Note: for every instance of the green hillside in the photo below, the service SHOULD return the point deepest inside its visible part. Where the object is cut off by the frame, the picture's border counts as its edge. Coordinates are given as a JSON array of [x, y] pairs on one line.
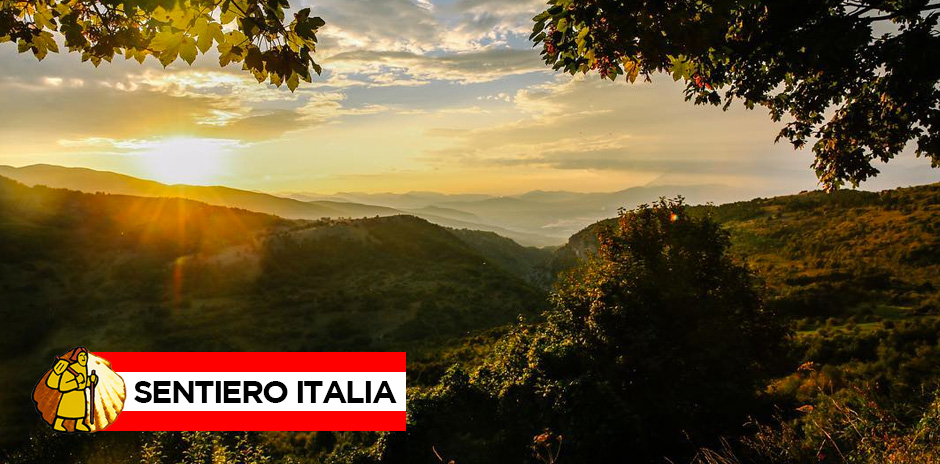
[[121, 273], [856, 275], [872, 255], [530, 263]]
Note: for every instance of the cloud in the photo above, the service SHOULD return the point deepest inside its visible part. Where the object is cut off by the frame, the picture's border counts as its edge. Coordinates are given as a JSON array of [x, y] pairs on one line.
[[141, 145], [387, 25], [62, 82], [376, 68], [366, 44], [479, 22], [584, 124], [326, 107], [383, 43], [221, 84], [627, 158], [257, 126], [85, 107], [422, 26]]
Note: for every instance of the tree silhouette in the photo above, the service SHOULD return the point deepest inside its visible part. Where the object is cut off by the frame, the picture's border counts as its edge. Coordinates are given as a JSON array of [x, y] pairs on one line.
[[260, 38], [659, 342]]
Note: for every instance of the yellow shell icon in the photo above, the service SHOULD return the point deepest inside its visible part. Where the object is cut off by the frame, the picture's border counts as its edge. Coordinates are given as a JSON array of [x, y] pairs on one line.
[[80, 393]]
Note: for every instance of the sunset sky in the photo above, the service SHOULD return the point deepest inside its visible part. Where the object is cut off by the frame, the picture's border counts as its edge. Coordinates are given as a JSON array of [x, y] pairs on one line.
[[443, 96]]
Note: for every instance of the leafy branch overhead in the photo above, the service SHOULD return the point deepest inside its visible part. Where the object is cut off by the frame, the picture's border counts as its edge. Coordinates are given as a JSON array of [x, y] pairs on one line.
[[857, 78], [252, 32]]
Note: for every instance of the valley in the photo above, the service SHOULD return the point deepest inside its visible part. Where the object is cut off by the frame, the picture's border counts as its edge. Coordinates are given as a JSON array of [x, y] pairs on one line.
[[118, 272]]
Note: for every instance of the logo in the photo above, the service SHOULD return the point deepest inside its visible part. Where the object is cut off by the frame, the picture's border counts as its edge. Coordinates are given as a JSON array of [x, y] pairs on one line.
[[80, 393], [177, 391]]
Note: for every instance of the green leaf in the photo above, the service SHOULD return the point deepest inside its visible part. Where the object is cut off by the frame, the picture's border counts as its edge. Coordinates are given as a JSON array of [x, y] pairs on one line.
[[182, 17], [228, 16], [307, 29], [293, 81], [48, 41], [188, 50], [226, 55], [236, 38], [206, 32], [43, 17], [253, 59], [167, 43], [170, 30], [539, 27], [139, 54], [160, 14]]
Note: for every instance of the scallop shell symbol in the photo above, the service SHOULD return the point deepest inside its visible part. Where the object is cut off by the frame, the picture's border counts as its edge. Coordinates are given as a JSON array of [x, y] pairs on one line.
[[108, 394]]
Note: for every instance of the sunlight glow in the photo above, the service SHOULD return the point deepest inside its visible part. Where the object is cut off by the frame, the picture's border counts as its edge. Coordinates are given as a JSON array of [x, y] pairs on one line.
[[185, 160]]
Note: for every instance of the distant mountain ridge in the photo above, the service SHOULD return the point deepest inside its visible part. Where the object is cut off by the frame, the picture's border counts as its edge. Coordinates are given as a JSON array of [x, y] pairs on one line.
[[91, 181], [554, 215], [536, 218]]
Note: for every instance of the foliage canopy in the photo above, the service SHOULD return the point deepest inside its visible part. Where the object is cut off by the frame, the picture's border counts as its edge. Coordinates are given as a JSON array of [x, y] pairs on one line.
[[859, 76], [257, 36]]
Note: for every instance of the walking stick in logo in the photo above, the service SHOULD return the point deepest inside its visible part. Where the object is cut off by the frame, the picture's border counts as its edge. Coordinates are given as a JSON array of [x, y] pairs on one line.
[[92, 408]]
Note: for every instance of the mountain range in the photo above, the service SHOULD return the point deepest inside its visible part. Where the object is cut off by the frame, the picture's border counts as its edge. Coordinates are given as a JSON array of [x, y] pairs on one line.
[[153, 272], [537, 218]]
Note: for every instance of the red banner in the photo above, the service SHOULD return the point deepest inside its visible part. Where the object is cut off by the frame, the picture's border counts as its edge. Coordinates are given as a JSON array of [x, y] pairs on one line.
[[230, 391]]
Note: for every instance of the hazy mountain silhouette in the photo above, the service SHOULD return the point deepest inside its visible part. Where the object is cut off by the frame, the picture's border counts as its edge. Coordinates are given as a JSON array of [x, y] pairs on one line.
[[89, 180], [551, 216], [537, 218], [408, 200]]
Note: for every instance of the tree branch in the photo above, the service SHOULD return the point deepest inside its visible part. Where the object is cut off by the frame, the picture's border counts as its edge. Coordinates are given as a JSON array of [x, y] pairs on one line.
[[897, 14]]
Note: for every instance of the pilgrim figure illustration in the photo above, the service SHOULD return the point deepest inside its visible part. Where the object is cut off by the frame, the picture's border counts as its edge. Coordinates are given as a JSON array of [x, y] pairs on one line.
[[80, 393]]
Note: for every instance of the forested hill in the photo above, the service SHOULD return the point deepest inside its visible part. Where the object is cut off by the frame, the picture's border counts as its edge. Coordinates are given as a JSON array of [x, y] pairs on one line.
[[830, 255], [123, 273]]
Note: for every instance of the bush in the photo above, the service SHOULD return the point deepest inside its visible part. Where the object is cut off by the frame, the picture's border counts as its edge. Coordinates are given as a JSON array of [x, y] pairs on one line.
[[658, 342]]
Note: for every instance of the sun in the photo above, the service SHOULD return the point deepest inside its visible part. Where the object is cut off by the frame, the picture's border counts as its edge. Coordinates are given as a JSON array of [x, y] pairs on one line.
[[184, 160]]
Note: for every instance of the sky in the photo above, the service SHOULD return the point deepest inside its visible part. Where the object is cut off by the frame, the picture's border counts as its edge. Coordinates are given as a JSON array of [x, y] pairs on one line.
[[444, 96]]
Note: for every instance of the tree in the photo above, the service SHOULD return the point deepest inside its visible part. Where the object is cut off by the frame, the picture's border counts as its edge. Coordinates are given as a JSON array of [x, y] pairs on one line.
[[266, 45], [818, 64], [658, 343]]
